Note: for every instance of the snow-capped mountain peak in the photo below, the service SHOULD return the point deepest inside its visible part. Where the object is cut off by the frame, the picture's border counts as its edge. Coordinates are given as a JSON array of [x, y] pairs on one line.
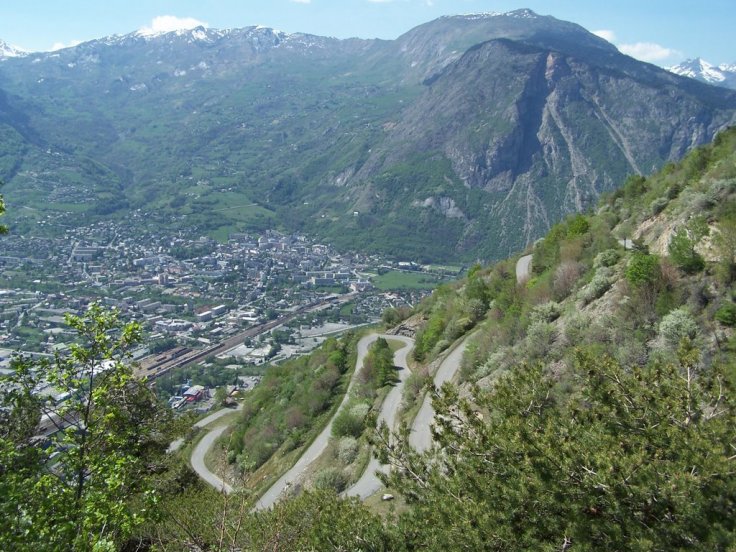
[[202, 34], [699, 69], [8, 51], [198, 33], [523, 13]]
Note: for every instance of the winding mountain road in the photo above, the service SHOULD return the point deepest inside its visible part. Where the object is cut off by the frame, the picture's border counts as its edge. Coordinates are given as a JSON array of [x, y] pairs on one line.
[[523, 268], [420, 437], [217, 415], [198, 460], [369, 483], [318, 446], [176, 445]]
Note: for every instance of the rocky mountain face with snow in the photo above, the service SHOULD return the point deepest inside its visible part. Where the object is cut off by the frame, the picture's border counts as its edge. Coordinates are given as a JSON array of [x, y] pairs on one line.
[[466, 137], [8, 51], [699, 69]]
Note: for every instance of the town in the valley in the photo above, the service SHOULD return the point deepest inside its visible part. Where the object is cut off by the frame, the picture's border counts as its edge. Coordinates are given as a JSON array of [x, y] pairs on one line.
[[214, 314]]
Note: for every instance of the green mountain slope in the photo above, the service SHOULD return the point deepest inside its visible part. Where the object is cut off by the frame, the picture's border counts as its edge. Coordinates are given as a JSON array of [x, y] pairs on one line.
[[467, 137], [602, 398], [586, 289], [531, 135], [596, 403]]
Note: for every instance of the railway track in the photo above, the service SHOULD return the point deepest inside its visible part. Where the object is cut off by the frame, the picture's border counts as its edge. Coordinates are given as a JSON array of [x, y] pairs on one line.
[[183, 358]]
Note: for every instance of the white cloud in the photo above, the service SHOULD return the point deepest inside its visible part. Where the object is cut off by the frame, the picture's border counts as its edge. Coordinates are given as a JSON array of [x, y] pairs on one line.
[[644, 51], [606, 34], [649, 51], [168, 23], [61, 45]]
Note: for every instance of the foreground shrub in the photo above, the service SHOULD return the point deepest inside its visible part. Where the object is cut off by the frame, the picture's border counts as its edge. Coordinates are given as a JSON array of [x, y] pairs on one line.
[[726, 315], [643, 269], [609, 257], [331, 479], [639, 459], [595, 289], [347, 449], [546, 312], [678, 325]]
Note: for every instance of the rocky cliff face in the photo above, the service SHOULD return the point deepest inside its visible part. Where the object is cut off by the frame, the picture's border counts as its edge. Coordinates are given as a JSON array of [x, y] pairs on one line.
[[543, 133]]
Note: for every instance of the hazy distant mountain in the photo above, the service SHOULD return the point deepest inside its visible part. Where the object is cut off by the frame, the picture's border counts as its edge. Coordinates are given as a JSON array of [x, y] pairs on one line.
[[467, 136], [699, 69]]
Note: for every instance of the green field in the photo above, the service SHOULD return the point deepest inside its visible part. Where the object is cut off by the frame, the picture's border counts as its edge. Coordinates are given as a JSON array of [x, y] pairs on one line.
[[395, 279]]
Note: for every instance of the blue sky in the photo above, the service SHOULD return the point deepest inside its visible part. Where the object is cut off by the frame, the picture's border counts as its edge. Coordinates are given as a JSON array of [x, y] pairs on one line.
[[659, 31]]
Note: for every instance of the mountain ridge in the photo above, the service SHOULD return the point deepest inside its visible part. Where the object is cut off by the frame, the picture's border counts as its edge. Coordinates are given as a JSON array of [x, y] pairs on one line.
[[414, 147], [505, 166]]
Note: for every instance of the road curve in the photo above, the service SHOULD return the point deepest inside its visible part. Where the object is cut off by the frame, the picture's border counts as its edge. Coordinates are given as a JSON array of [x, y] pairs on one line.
[[420, 437], [319, 445], [198, 460], [523, 268], [217, 415], [369, 483], [176, 444]]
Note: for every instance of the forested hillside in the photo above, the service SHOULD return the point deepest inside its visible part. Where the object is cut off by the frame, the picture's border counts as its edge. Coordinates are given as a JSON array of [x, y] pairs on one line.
[[598, 404]]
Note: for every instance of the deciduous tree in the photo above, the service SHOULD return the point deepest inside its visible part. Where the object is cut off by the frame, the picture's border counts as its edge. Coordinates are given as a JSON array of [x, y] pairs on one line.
[[77, 492]]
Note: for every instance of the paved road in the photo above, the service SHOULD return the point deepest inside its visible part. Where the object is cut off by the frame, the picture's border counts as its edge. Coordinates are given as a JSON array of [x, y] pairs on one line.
[[421, 435], [217, 415], [523, 268], [176, 445], [198, 460], [319, 445], [369, 483]]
